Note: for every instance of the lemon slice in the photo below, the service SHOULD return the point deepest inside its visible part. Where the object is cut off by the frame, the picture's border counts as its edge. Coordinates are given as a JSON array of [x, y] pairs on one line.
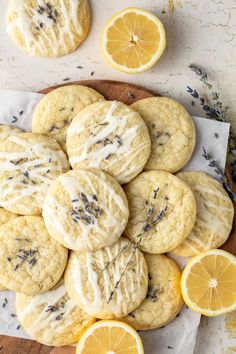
[[105, 337], [208, 283], [133, 40]]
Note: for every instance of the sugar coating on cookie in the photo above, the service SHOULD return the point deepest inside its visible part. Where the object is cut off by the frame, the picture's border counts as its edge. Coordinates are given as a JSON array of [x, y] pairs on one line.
[[215, 214], [85, 210], [52, 318], [31, 261], [92, 280], [172, 133], [28, 164], [6, 131], [163, 300], [162, 211], [110, 136], [48, 28], [56, 110]]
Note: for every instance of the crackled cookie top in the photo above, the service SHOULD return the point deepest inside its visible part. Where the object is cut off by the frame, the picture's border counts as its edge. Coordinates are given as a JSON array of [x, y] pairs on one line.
[[56, 110], [52, 318], [172, 133], [85, 210], [215, 214], [31, 261], [48, 28], [28, 164], [6, 131], [162, 211], [92, 280], [110, 136], [163, 300]]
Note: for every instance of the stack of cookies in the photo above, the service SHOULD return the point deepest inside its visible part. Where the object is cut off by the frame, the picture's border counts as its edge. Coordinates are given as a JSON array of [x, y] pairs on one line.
[[90, 204]]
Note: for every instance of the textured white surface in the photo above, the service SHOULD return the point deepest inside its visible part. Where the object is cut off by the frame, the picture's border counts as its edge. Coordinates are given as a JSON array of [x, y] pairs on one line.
[[199, 31]]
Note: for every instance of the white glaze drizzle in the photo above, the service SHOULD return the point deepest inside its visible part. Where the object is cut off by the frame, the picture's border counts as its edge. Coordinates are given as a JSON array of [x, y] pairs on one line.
[[49, 37], [78, 235]]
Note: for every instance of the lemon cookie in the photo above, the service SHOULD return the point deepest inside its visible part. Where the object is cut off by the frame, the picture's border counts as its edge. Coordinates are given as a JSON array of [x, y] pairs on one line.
[[109, 283], [172, 133], [85, 210], [6, 131], [52, 318], [56, 110], [48, 28], [28, 164], [164, 300], [31, 261], [215, 214], [110, 136], [162, 211]]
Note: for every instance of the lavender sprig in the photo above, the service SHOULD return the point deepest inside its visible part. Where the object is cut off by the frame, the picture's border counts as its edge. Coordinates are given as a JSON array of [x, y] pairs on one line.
[[212, 163]]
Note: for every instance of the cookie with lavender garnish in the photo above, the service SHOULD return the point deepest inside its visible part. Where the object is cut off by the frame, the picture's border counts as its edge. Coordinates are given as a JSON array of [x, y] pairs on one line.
[[52, 318], [109, 283], [172, 133], [109, 136], [215, 214], [28, 164], [48, 28], [6, 131], [31, 261], [56, 110], [164, 300], [162, 211], [85, 210]]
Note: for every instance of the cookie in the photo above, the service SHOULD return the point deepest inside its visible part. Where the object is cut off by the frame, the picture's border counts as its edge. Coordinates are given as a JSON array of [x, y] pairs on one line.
[[162, 211], [6, 216], [85, 210], [215, 214], [56, 110], [164, 300], [48, 28], [109, 136], [172, 133], [31, 261], [6, 131], [28, 164], [52, 318], [2, 288], [109, 283]]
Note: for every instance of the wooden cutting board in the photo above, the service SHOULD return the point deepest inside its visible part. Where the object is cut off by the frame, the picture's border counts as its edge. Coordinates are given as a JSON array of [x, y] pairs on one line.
[[111, 90]]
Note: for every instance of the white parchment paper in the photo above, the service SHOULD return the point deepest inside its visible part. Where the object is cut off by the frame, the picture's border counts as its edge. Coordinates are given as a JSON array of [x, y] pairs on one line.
[[179, 336]]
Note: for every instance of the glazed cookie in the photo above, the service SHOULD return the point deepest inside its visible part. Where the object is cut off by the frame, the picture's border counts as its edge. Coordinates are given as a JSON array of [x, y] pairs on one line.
[[85, 210], [172, 133], [6, 131], [110, 136], [109, 283], [48, 28], [164, 300], [162, 211], [52, 318], [215, 214], [31, 261], [28, 164], [57, 109]]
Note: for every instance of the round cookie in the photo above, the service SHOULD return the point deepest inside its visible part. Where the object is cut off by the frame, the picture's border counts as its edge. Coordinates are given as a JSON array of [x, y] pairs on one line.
[[6, 131], [164, 300], [28, 164], [109, 136], [85, 210], [56, 110], [49, 28], [215, 214], [52, 318], [172, 133], [109, 283], [162, 211], [31, 261]]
